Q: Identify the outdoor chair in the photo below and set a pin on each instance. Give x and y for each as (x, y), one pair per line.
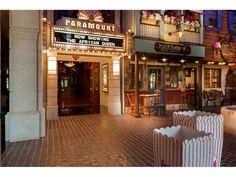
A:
(158, 105)
(210, 96)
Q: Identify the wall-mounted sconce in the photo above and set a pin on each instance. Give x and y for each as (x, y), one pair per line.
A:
(44, 50)
(217, 47)
(196, 62)
(130, 32)
(116, 67)
(180, 33)
(52, 65)
(129, 56)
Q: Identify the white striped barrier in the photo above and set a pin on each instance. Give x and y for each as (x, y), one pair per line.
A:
(178, 146)
(204, 121)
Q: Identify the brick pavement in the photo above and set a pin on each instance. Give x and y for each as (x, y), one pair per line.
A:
(97, 140)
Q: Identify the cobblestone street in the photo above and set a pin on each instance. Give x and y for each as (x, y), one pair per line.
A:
(97, 140)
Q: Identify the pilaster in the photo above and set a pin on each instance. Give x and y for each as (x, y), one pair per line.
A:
(23, 119)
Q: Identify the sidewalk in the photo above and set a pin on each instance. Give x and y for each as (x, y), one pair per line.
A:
(97, 140)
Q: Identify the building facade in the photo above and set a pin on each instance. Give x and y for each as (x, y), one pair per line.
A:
(96, 48)
(81, 62)
(168, 46)
(219, 62)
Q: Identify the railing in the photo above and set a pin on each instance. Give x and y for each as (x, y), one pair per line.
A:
(192, 37)
(150, 31)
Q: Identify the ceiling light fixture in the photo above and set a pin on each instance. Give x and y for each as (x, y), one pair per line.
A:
(164, 59)
(69, 64)
(144, 58)
(182, 60)
(231, 64)
(221, 63)
(210, 62)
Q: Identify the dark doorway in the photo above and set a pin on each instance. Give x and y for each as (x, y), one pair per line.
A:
(191, 87)
(4, 43)
(78, 88)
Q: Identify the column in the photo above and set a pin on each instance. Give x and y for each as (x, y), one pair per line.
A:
(23, 118)
(52, 87)
(41, 84)
(199, 85)
(0, 85)
(137, 115)
(114, 106)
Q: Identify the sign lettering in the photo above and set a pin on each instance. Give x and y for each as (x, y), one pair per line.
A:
(88, 39)
(172, 48)
(77, 23)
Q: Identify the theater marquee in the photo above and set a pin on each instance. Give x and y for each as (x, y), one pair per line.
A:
(88, 31)
(83, 39)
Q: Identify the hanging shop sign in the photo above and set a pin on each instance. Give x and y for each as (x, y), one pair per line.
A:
(228, 52)
(172, 48)
(85, 24)
(87, 39)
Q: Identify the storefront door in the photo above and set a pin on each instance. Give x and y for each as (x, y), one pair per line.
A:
(155, 80)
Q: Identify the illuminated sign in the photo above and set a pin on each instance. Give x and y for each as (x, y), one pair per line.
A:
(172, 48)
(85, 24)
(85, 39)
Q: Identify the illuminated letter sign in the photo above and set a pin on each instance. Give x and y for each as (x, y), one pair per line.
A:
(83, 39)
(77, 23)
(172, 48)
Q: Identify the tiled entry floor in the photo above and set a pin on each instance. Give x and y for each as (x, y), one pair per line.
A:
(97, 140)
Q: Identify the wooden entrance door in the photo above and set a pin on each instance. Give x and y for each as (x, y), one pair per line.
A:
(95, 85)
(156, 81)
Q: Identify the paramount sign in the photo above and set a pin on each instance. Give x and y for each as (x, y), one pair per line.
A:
(84, 24)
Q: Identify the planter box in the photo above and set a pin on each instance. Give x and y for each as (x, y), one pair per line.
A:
(181, 146)
(207, 122)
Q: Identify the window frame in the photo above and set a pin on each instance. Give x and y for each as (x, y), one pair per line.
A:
(211, 70)
(219, 22)
(231, 21)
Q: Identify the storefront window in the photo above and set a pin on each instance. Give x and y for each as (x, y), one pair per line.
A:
(154, 79)
(232, 22)
(171, 77)
(212, 78)
(213, 19)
